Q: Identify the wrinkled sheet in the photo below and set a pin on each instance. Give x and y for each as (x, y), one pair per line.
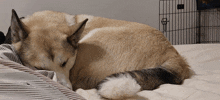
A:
(18, 82)
(204, 60)
(204, 85)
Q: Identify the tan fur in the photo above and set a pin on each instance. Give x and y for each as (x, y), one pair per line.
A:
(116, 46)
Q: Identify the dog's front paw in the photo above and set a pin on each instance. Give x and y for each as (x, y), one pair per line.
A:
(89, 94)
(120, 87)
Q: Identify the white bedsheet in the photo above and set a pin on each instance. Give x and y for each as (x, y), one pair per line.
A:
(204, 60)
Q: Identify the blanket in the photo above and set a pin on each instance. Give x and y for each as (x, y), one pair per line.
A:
(18, 82)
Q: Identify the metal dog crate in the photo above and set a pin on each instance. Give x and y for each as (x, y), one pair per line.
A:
(182, 23)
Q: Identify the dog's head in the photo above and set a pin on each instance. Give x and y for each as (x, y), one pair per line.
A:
(47, 40)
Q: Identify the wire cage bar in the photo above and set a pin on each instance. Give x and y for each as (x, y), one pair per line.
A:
(182, 23)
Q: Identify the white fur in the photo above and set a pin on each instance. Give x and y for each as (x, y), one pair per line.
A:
(120, 87)
(90, 34)
(89, 94)
(70, 19)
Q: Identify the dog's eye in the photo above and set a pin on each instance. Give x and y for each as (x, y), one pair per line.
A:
(63, 64)
(35, 67)
(38, 68)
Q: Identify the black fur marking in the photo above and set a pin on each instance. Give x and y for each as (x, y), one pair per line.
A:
(166, 76)
(18, 32)
(38, 68)
(150, 79)
(83, 23)
(8, 37)
(74, 38)
(2, 37)
(22, 17)
(63, 64)
(73, 41)
(132, 74)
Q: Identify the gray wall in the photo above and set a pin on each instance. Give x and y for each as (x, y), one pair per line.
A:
(142, 11)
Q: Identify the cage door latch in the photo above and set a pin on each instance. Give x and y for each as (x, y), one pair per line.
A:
(164, 23)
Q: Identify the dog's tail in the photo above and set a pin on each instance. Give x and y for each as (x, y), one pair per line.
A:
(127, 84)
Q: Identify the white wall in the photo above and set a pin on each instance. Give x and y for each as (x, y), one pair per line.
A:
(142, 11)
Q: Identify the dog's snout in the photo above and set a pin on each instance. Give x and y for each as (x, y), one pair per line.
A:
(68, 85)
(63, 80)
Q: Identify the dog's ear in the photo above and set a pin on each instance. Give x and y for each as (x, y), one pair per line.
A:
(78, 29)
(18, 32)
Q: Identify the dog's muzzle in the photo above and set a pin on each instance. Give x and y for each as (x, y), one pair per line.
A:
(64, 80)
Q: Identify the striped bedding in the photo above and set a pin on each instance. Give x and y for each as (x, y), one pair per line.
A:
(18, 82)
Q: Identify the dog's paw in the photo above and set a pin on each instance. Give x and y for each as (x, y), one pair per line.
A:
(89, 94)
(120, 87)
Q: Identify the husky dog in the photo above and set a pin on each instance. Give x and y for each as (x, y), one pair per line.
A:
(119, 58)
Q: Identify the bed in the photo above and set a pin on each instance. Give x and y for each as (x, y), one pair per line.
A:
(204, 85)
(22, 83)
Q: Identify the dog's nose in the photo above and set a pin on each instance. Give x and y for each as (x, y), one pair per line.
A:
(69, 86)
(63, 80)
(66, 84)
